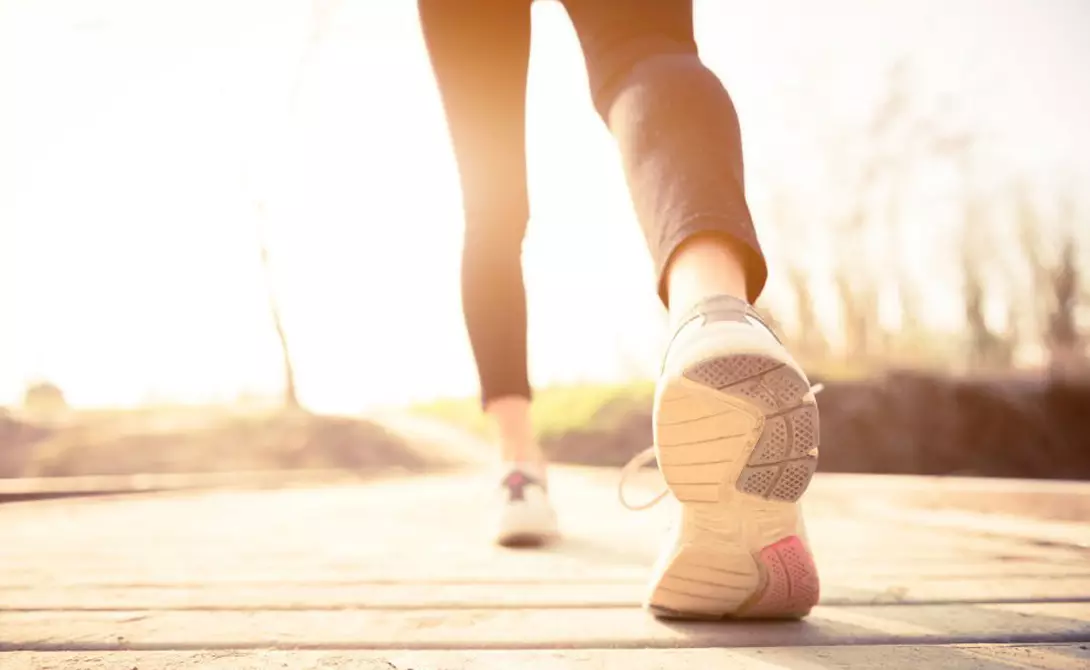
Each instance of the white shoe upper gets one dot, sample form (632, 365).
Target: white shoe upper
(526, 517)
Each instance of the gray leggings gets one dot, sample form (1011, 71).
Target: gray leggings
(675, 127)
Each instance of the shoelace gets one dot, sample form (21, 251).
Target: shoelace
(646, 456)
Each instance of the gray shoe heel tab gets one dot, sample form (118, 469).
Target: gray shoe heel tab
(722, 308)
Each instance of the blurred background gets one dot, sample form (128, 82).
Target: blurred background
(230, 235)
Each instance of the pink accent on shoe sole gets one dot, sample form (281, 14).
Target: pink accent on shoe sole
(791, 586)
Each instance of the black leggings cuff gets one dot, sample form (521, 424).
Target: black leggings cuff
(737, 232)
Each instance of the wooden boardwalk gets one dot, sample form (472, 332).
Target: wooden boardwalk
(398, 573)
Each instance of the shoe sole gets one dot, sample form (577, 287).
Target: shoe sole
(736, 438)
(526, 525)
(524, 540)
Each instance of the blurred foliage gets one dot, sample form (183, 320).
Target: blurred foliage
(44, 399)
(556, 410)
(1016, 251)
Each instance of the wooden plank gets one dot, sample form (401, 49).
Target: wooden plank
(485, 595)
(202, 523)
(527, 629)
(174, 480)
(226, 561)
(406, 595)
(1074, 534)
(544, 570)
(1054, 500)
(947, 657)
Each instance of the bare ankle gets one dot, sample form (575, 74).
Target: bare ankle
(509, 419)
(705, 266)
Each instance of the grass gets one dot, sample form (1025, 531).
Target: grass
(556, 410)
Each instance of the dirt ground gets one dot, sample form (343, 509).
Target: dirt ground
(170, 440)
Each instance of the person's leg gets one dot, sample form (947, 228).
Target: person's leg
(735, 421)
(678, 136)
(480, 51)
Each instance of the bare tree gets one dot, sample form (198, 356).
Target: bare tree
(986, 348)
(910, 342)
(864, 337)
(809, 338)
(810, 341)
(1066, 345)
(321, 14)
(877, 176)
(1063, 334)
(901, 139)
(291, 398)
(1055, 288)
(1035, 296)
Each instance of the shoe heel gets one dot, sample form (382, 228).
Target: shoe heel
(789, 586)
(701, 583)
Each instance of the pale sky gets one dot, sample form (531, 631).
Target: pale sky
(134, 137)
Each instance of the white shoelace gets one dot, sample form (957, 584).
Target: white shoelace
(646, 456)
